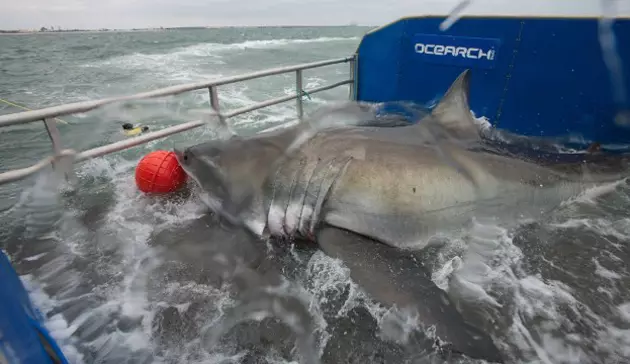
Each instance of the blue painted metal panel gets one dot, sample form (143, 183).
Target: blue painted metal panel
(546, 76)
(19, 321)
(385, 57)
(560, 83)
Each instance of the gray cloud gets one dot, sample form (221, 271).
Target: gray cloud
(154, 13)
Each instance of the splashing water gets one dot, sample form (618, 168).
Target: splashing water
(454, 15)
(608, 43)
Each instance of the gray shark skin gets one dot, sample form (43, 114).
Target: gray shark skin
(397, 277)
(394, 184)
(364, 192)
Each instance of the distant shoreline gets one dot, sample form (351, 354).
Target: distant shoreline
(106, 30)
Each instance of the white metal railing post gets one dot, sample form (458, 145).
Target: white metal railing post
(352, 91)
(214, 102)
(53, 133)
(299, 91)
(60, 159)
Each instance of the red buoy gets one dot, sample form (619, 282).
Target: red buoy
(159, 172)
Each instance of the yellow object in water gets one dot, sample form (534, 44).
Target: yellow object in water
(129, 130)
(134, 131)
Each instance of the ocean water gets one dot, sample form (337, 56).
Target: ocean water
(96, 257)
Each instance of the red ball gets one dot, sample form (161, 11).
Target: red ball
(159, 172)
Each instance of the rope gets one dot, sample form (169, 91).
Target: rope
(27, 109)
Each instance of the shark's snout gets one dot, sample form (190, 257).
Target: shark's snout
(178, 152)
(199, 163)
(179, 155)
(182, 158)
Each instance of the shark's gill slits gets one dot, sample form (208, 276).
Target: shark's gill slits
(297, 199)
(335, 168)
(280, 199)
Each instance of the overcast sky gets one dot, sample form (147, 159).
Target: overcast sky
(16, 14)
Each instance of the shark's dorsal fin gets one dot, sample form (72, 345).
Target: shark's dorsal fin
(453, 114)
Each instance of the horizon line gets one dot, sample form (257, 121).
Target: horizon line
(61, 30)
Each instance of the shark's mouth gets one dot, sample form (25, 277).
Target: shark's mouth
(212, 200)
(222, 198)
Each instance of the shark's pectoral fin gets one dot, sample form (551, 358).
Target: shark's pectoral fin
(395, 277)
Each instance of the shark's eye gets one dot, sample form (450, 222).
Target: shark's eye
(186, 156)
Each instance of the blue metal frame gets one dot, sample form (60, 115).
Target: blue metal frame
(21, 322)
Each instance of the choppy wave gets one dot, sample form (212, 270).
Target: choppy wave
(205, 61)
(205, 50)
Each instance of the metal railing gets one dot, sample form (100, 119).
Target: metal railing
(47, 115)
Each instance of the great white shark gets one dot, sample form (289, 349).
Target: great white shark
(371, 195)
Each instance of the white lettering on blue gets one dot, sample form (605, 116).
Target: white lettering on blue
(464, 52)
